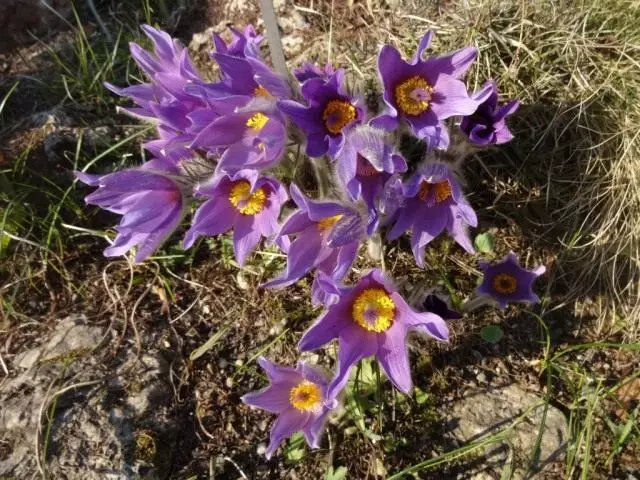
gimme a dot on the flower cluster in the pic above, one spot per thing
(219, 143)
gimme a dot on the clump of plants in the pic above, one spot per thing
(221, 145)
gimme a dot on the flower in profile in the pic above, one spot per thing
(487, 126)
(150, 200)
(424, 92)
(243, 44)
(327, 237)
(372, 319)
(244, 202)
(331, 112)
(506, 281)
(299, 397)
(364, 165)
(309, 70)
(433, 201)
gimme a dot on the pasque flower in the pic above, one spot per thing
(243, 44)
(150, 199)
(308, 70)
(244, 202)
(364, 165)
(432, 202)
(487, 126)
(372, 319)
(329, 114)
(327, 237)
(506, 281)
(424, 92)
(299, 397)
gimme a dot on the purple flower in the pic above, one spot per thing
(364, 165)
(309, 70)
(242, 45)
(487, 124)
(150, 200)
(252, 138)
(299, 397)
(506, 281)
(424, 92)
(169, 68)
(372, 319)
(328, 235)
(244, 202)
(433, 202)
(331, 112)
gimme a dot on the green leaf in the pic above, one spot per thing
(421, 396)
(484, 242)
(209, 344)
(491, 333)
(295, 448)
(339, 473)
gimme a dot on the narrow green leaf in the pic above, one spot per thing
(209, 344)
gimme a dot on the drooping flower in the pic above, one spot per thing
(329, 114)
(243, 44)
(299, 397)
(372, 319)
(244, 202)
(486, 126)
(327, 237)
(437, 304)
(506, 281)
(150, 199)
(424, 92)
(364, 165)
(309, 70)
(433, 201)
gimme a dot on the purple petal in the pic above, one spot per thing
(326, 328)
(245, 237)
(288, 423)
(355, 344)
(394, 358)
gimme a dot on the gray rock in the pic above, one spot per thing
(96, 428)
(485, 412)
(71, 337)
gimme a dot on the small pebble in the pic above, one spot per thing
(481, 378)
(262, 448)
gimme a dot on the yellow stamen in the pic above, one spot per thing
(338, 114)
(326, 223)
(441, 191)
(413, 95)
(374, 310)
(305, 396)
(505, 283)
(260, 91)
(257, 121)
(246, 202)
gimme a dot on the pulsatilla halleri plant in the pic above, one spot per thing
(217, 141)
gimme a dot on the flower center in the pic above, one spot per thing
(441, 191)
(364, 167)
(246, 202)
(305, 396)
(374, 310)
(257, 121)
(504, 283)
(338, 114)
(327, 223)
(260, 91)
(413, 95)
